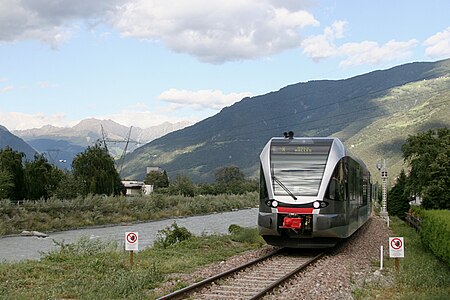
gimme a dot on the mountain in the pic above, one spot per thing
(374, 112)
(7, 139)
(63, 143)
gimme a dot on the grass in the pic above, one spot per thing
(94, 269)
(421, 275)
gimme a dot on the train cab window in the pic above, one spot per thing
(298, 165)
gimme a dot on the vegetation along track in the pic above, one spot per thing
(251, 280)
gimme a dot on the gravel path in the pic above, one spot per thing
(347, 267)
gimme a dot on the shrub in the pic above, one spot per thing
(435, 232)
(171, 236)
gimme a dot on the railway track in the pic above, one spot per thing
(251, 280)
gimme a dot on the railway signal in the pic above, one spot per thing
(384, 177)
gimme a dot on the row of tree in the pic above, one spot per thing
(428, 157)
(228, 180)
(94, 172)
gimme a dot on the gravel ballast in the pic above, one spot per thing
(347, 267)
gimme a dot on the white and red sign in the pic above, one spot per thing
(131, 241)
(396, 247)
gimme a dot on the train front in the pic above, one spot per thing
(294, 176)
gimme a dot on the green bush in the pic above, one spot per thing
(171, 235)
(435, 232)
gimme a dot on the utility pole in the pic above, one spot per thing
(384, 177)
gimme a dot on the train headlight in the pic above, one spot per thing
(316, 204)
(274, 203)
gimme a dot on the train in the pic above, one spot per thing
(313, 192)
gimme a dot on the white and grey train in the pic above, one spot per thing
(313, 192)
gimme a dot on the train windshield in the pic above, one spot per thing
(299, 165)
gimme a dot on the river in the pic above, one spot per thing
(17, 248)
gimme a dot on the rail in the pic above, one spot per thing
(246, 281)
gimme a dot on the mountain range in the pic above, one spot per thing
(61, 144)
(372, 114)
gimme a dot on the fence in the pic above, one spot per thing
(412, 220)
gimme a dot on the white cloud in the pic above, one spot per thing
(215, 31)
(202, 99)
(47, 85)
(212, 31)
(49, 21)
(6, 89)
(371, 53)
(140, 115)
(20, 121)
(183, 101)
(135, 115)
(438, 45)
(322, 46)
(144, 119)
(366, 52)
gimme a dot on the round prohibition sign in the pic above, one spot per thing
(132, 238)
(396, 244)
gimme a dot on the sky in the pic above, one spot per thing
(145, 62)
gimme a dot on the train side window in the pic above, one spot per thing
(263, 193)
(335, 190)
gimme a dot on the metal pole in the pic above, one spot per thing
(381, 257)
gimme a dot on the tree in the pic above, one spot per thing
(398, 199)
(436, 195)
(157, 179)
(182, 185)
(232, 180)
(6, 184)
(428, 154)
(41, 178)
(95, 171)
(12, 167)
(69, 187)
(226, 175)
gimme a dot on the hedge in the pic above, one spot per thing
(435, 232)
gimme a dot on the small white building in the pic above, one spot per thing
(154, 168)
(136, 188)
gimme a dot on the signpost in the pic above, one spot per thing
(396, 249)
(131, 244)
